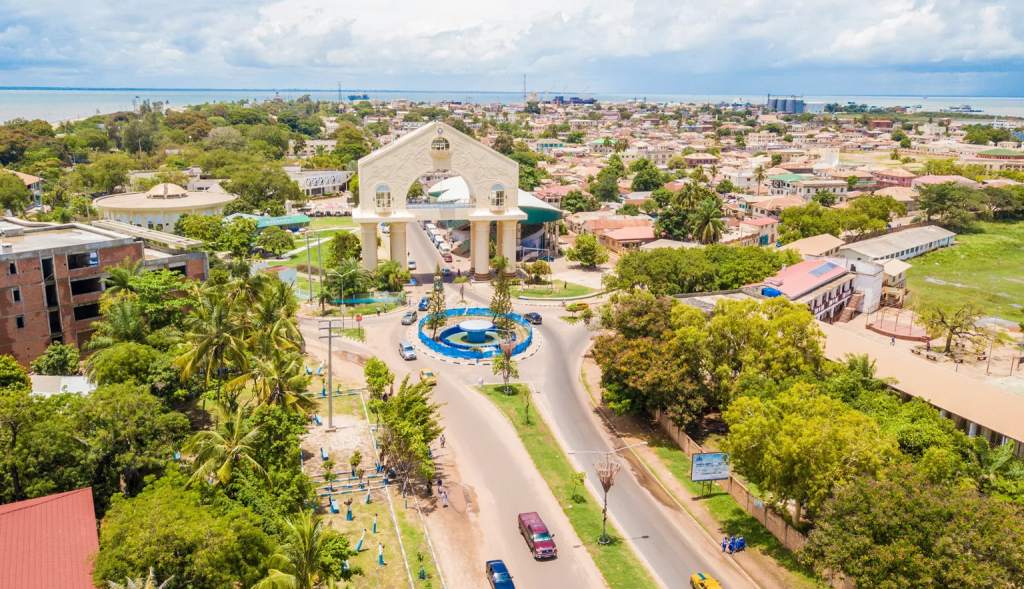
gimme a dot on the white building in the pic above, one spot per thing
(900, 245)
(318, 182)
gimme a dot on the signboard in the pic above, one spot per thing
(710, 467)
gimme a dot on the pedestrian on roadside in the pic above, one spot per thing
(444, 499)
(892, 342)
(438, 482)
(741, 543)
(928, 346)
(732, 545)
(725, 544)
(442, 440)
(378, 310)
(380, 554)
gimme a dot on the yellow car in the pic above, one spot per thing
(702, 581)
(428, 376)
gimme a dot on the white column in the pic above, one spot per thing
(480, 249)
(368, 238)
(399, 253)
(507, 244)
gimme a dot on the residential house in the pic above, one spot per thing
(824, 286)
(33, 183)
(899, 245)
(819, 246)
(625, 239)
(907, 196)
(806, 189)
(894, 177)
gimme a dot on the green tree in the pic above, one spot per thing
(503, 144)
(279, 379)
(217, 452)
(507, 368)
(673, 223)
(409, 424)
(206, 228)
(647, 179)
(629, 209)
(587, 251)
(148, 582)
(311, 556)
(706, 221)
(58, 360)
(262, 188)
(378, 377)
(899, 530)
(941, 321)
(807, 221)
(575, 137)
(239, 236)
(760, 175)
(501, 301)
(825, 198)
(606, 189)
(437, 308)
(276, 240)
(213, 341)
(106, 172)
(14, 194)
(801, 444)
(575, 202)
(343, 246)
(173, 531)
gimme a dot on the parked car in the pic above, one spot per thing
(427, 375)
(412, 264)
(702, 581)
(410, 318)
(446, 271)
(533, 318)
(447, 257)
(538, 538)
(406, 351)
(497, 575)
(424, 303)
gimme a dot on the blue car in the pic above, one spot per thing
(497, 575)
(424, 303)
(446, 271)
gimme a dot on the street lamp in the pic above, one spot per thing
(342, 276)
(606, 474)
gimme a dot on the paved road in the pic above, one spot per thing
(673, 545)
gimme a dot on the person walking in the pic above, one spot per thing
(378, 310)
(741, 544)
(928, 346)
(444, 499)
(725, 544)
(732, 545)
(380, 554)
(442, 440)
(892, 342)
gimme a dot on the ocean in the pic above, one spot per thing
(61, 104)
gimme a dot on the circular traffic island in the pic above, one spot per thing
(472, 334)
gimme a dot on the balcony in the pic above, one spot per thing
(440, 205)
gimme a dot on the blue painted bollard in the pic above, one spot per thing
(359, 546)
(367, 496)
(375, 523)
(348, 515)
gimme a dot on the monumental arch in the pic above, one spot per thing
(386, 175)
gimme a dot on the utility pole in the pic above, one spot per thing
(330, 370)
(320, 267)
(308, 271)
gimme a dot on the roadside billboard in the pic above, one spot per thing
(710, 467)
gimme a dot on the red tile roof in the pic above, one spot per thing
(799, 279)
(48, 543)
(761, 221)
(631, 234)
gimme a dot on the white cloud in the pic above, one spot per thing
(600, 42)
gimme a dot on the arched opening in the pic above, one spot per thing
(383, 198)
(498, 196)
(440, 146)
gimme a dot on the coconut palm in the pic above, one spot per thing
(712, 174)
(698, 175)
(214, 340)
(988, 464)
(707, 224)
(687, 198)
(215, 453)
(142, 583)
(297, 564)
(123, 321)
(119, 277)
(759, 177)
(273, 320)
(279, 379)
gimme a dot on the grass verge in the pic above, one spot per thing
(557, 290)
(984, 266)
(734, 520)
(570, 319)
(618, 564)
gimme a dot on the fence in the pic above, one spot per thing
(790, 537)
(477, 353)
(364, 298)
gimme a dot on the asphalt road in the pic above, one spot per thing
(490, 456)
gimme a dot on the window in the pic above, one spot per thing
(84, 260)
(19, 321)
(383, 198)
(16, 294)
(87, 312)
(47, 265)
(13, 267)
(497, 196)
(86, 286)
(440, 145)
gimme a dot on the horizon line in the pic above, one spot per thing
(512, 92)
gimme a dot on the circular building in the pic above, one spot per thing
(160, 206)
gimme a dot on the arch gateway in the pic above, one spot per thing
(386, 175)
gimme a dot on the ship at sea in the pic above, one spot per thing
(363, 96)
(962, 109)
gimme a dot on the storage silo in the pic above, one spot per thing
(773, 103)
(798, 106)
(784, 105)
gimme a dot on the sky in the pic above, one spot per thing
(814, 47)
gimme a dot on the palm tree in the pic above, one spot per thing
(687, 198)
(218, 451)
(707, 224)
(273, 322)
(759, 177)
(297, 564)
(142, 583)
(123, 321)
(213, 338)
(698, 175)
(712, 174)
(278, 379)
(120, 277)
(988, 464)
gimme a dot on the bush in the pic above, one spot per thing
(59, 360)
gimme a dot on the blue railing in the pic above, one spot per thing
(372, 297)
(479, 352)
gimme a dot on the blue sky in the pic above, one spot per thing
(953, 47)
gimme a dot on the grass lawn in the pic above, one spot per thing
(354, 333)
(545, 291)
(733, 518)
(616, 561)
(986, 267)
(571, 319)
(331, 222)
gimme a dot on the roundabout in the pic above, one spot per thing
(470, 334)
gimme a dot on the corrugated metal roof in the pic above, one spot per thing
(48, 543)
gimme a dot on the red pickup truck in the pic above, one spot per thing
(538, 538)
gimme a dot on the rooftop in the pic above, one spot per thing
(631, 233)
(788, 178)
(48, 542)
(800, 279)
(817, 245)
(164, 197)
(50, 237)
(879, 247)
(761, 222)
